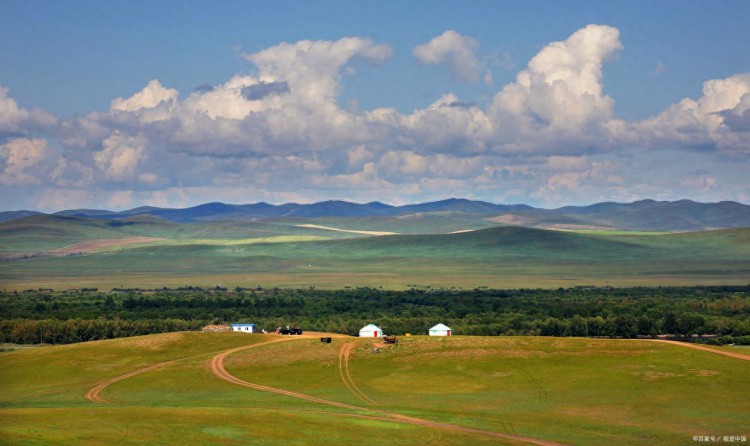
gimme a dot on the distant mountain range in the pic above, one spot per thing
(683, 215)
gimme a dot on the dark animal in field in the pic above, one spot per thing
(325, 340)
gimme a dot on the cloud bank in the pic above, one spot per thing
(280, 134)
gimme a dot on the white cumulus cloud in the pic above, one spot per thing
(279, 131)
(312, 69)
(18, 158)
(18, 120)
(561, 90)
(718, 119)
(151, 96)
(454, 50)
(120, 156)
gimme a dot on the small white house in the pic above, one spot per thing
(243, 328)
(440, 330)
(371, 331)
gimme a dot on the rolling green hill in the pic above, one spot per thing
(682, 215)
(226, 388)
(282, 252)
(46, 232)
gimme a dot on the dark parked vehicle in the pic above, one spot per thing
(290, 331)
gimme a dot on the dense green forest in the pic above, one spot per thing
(47, 316)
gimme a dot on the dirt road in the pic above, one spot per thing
(217, 368)
(94, 395)
(703, 348)
(346, 377)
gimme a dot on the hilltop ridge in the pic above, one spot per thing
(681, 215)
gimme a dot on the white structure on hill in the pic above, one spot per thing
(244, 328)
(371, 331)
(440, 330)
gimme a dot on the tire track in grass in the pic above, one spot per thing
(94, 394)
(216, 365)
(700, 347)
(346, 376)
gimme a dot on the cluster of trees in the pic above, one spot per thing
(80, 315)
(56, 331)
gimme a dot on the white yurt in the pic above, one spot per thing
(371, 331)
(440, 330)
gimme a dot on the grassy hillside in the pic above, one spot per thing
(572, 391)
(663, 215)
(499, 257)
(42, 232)
(415, 223)
(682, 215)
(46, 232)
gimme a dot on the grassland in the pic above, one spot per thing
(279, 252)
(571, 391)
(396, 263)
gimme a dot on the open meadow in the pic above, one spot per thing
(539, 211)
(226, 388)
(73, 252)
(69, 279)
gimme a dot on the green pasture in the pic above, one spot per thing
(217, 242)
(246, 424)
(431, 223)
(204, 254)
(575, 391)
(45, 232)
(152, 269)
(569, 390)
(611, 232)
(60, 375)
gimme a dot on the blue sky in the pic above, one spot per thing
(121, 104)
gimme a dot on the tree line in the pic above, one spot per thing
(49, 316)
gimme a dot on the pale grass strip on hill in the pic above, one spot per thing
(217, 367)
(90, 246)
(352, 231)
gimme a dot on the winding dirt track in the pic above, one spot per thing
(93, 395)
(705, 349)
(217, 368)
(216, 365)
(346, 377)
(434, 437)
